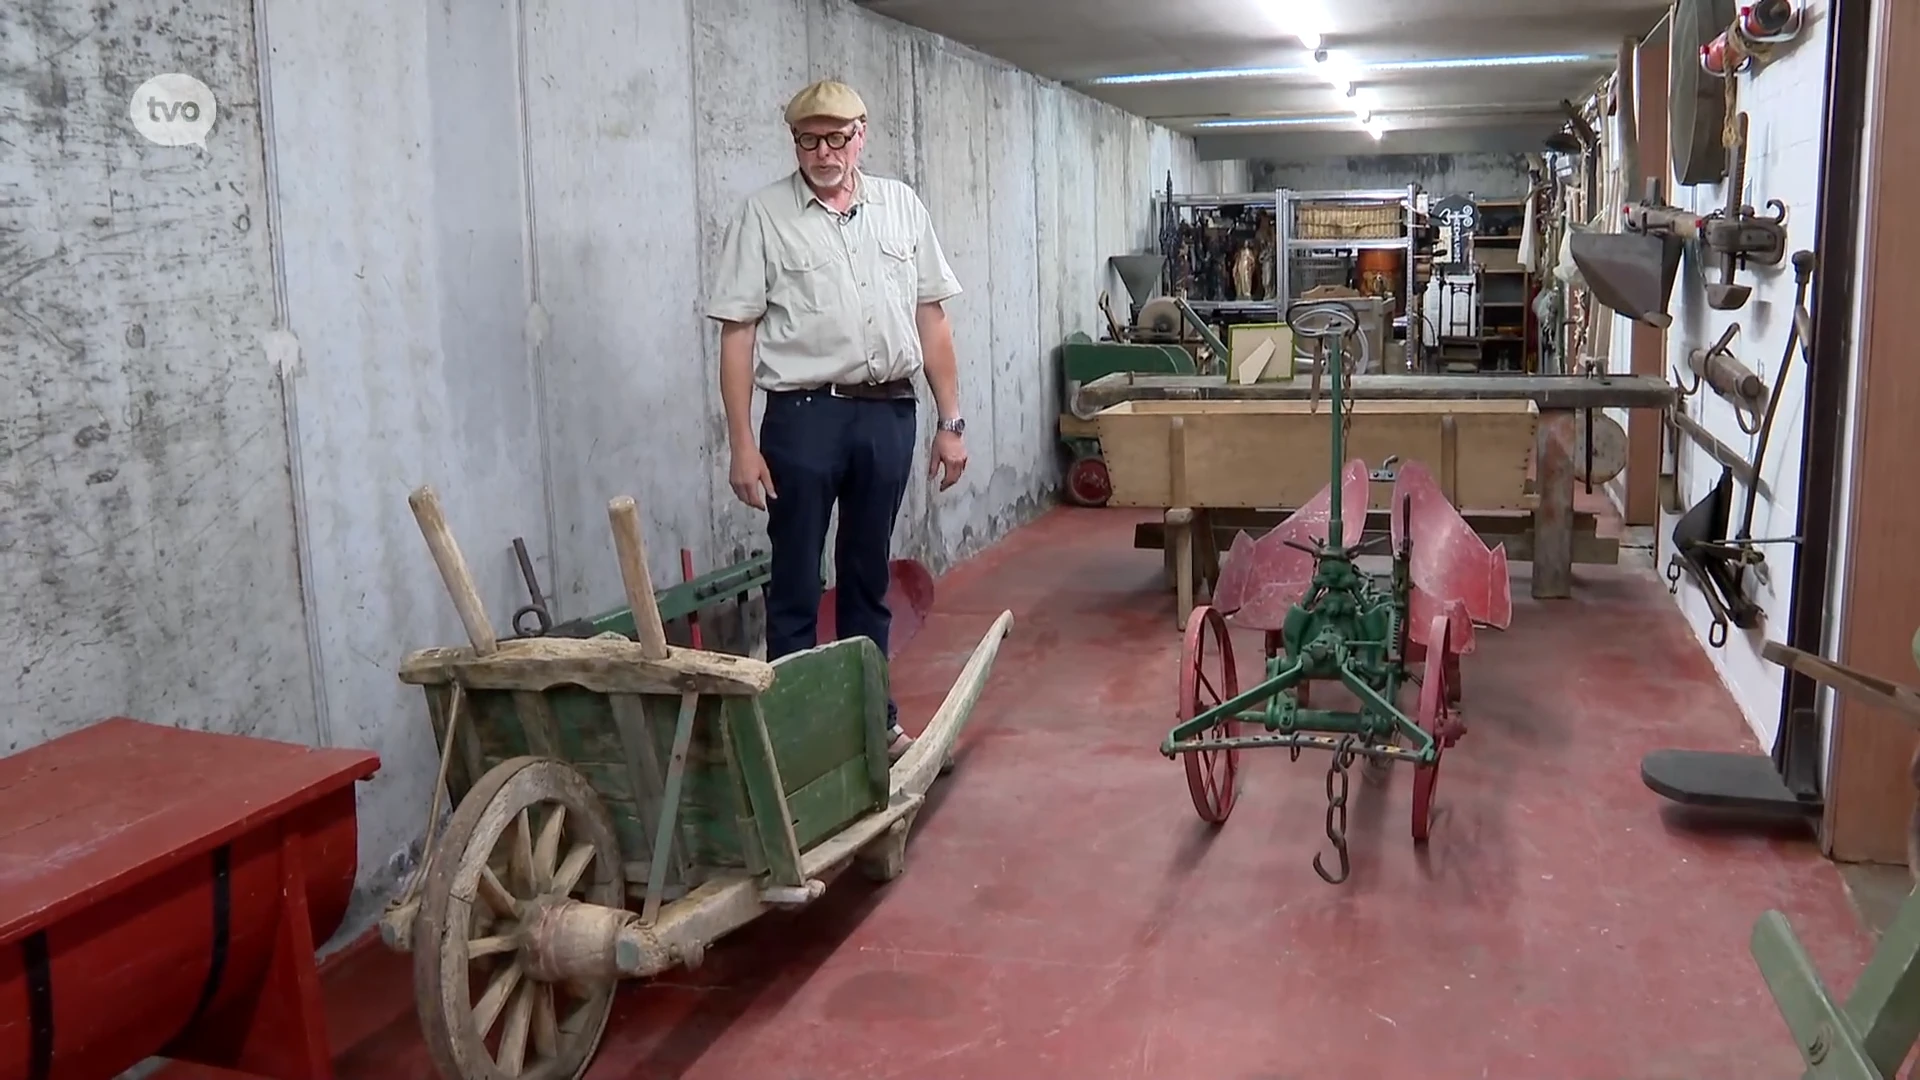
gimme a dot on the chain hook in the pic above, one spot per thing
(1337, 812)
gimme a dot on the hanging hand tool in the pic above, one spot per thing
(538, 608)
(1719, 566)
(1720, 369)
(1736, 235)
(1632, 271)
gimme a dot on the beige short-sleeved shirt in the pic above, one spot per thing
(834, 295)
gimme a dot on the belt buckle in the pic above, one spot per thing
(860, 391)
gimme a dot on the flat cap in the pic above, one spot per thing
(829, 98)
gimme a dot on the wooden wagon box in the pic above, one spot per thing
(1268, 453)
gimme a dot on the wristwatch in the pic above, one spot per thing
(957, 425)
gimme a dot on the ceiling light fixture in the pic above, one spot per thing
(1387, 66)
(1304, 19)
(1337, 71)
(1492, 62)
(1376, 127)
(1197, 76)
(1276, 121)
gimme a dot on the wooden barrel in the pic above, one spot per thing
(1383, 272)
(162, 923)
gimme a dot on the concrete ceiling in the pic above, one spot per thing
(1421, 108)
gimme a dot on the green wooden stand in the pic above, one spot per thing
(1869, 1036)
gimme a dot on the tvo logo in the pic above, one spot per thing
(173, 110)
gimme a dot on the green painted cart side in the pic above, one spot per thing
(1083, 360)
(621, 804)
(816, 736)
(679, 601)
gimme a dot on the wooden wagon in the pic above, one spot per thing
(621, 804)
(1193, 457)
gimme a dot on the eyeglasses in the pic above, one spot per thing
(836, 140)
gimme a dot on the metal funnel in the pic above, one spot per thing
(1632, 273)
(1140, 274)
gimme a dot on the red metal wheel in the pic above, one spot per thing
(1434, 717)
(1213, 776)
(1088, 483)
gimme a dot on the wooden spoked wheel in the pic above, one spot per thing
(1435, 718)
(531, 834)
(1207, 679)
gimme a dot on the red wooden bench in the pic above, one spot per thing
(162, 892)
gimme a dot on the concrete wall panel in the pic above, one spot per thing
(147, 547)
(749, 56)
(1023, 418)
(611, 109)
(1484, 175)
(954, 163)
(402, 225)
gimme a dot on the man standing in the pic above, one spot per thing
(828, 293)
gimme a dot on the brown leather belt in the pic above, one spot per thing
(892, 390)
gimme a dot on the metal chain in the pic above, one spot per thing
(1337, 811)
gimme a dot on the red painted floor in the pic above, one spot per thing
(1065, 913)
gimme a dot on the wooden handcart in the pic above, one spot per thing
(621, 804)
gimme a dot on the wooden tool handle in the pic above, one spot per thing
(453, 569)
(1849, 681)
(632, 548)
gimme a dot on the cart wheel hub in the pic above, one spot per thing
(565, 940)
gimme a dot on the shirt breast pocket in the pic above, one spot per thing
(808, 280)
(896, 262)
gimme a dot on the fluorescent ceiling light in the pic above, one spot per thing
(1276, 121)
(1492, 61)
(1361, 69)
(1198, 76)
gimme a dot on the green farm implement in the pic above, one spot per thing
(620, 804)
(1327, 621)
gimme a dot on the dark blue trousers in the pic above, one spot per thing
(820, 450)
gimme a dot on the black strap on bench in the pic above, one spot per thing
(33, 953)
(222, 932)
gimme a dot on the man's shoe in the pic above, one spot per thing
(902, 742)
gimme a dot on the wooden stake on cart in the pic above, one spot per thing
(631, 547)
(624, 513)
(453, 569)
(396, 923)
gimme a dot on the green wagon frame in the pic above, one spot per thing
(620, 804)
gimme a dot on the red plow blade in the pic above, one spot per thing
(909, 598)
(1261, 579)
(1453, 571)
(1450, 563)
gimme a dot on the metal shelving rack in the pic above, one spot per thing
(1267, 200)
(1282, 201)
(1412, 203)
